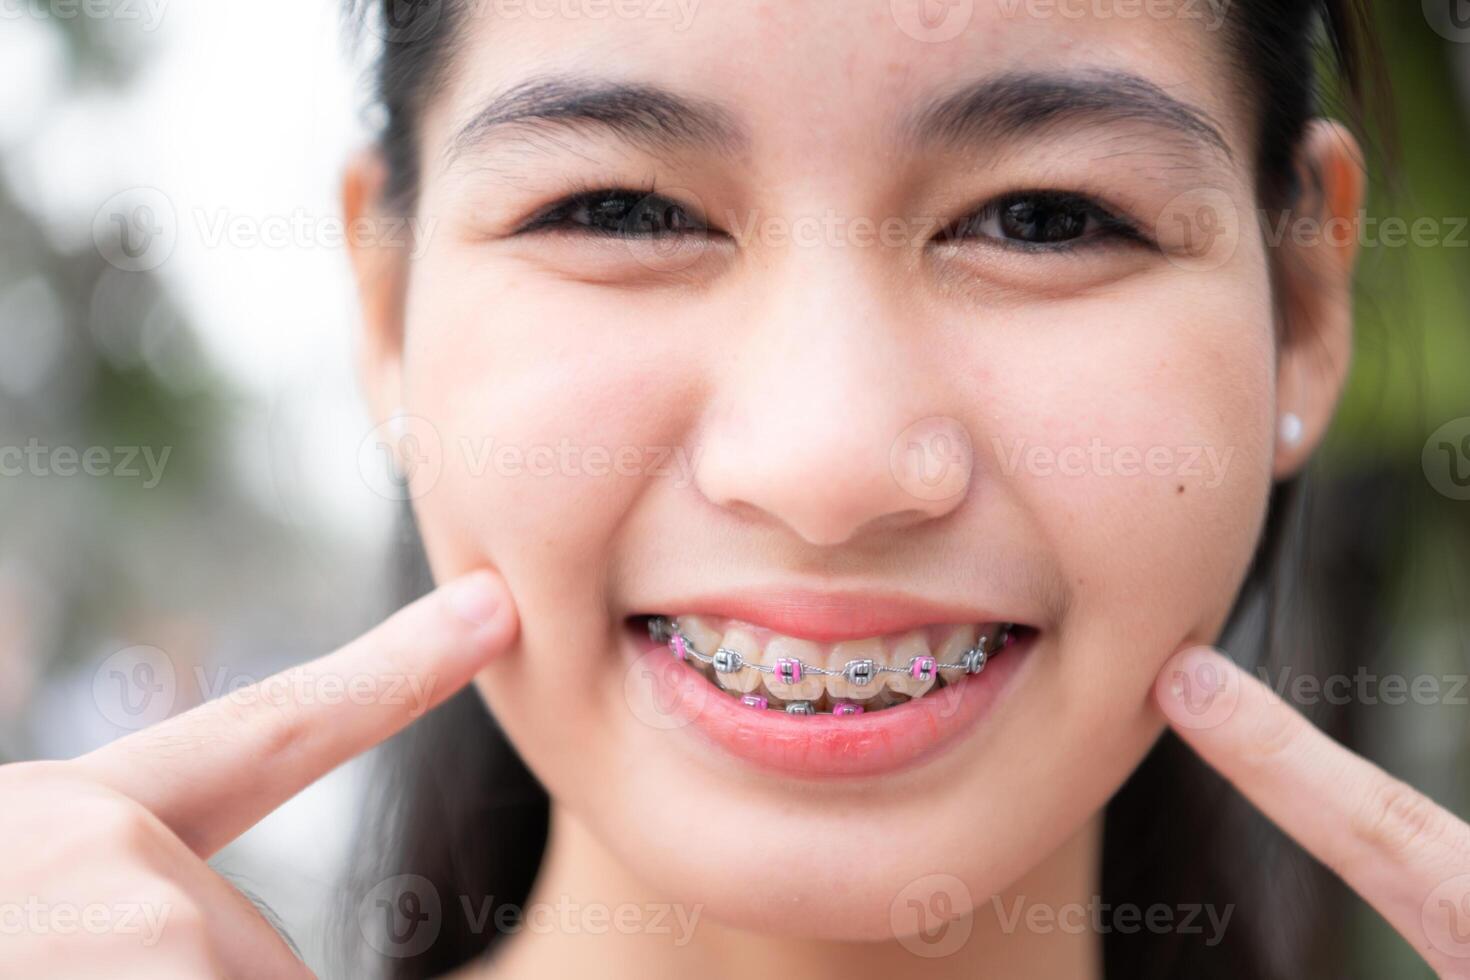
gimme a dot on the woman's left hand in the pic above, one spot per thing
(1404, 854)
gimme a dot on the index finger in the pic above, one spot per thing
(216, 770)
(1404, 854)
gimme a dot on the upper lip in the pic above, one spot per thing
(827, 617)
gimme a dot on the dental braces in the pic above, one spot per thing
(790, 670)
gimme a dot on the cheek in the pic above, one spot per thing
(539, 414)
(1147, 474)
(542, 439)
(550, 430)
(537, 429)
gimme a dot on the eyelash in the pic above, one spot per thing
(1099, 225)
(644, 213)
(641, 204)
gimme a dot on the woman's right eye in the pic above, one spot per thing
(617, 213)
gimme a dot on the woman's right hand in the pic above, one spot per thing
(103, 867)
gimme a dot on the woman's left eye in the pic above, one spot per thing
(618, 213)
(1044, 221)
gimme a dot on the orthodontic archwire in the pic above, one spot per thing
(790, 670)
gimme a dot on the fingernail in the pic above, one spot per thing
(474, 598)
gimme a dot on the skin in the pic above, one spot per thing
(730, 351)
(737, 353)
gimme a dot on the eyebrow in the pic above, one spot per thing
(991, 109)
(644, 115)
(1013, 104)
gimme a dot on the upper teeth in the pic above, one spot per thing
(751, 661)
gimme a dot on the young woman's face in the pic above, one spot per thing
(933, 331)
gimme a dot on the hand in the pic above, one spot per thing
(1405, 855)
(104, 856)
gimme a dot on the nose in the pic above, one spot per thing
(830, 415)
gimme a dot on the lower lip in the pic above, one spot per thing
(812, 746)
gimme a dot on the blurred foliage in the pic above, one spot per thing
(1409, 373)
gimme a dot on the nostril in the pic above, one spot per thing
(826, 518)
(831, 473)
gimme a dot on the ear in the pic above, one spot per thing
(1319, 252)
(380, 267)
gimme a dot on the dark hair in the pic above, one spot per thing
(459, 808)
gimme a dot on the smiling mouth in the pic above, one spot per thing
(768, 671)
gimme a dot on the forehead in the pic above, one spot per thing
(804, 79)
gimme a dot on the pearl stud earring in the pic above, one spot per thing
(1291, 428)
